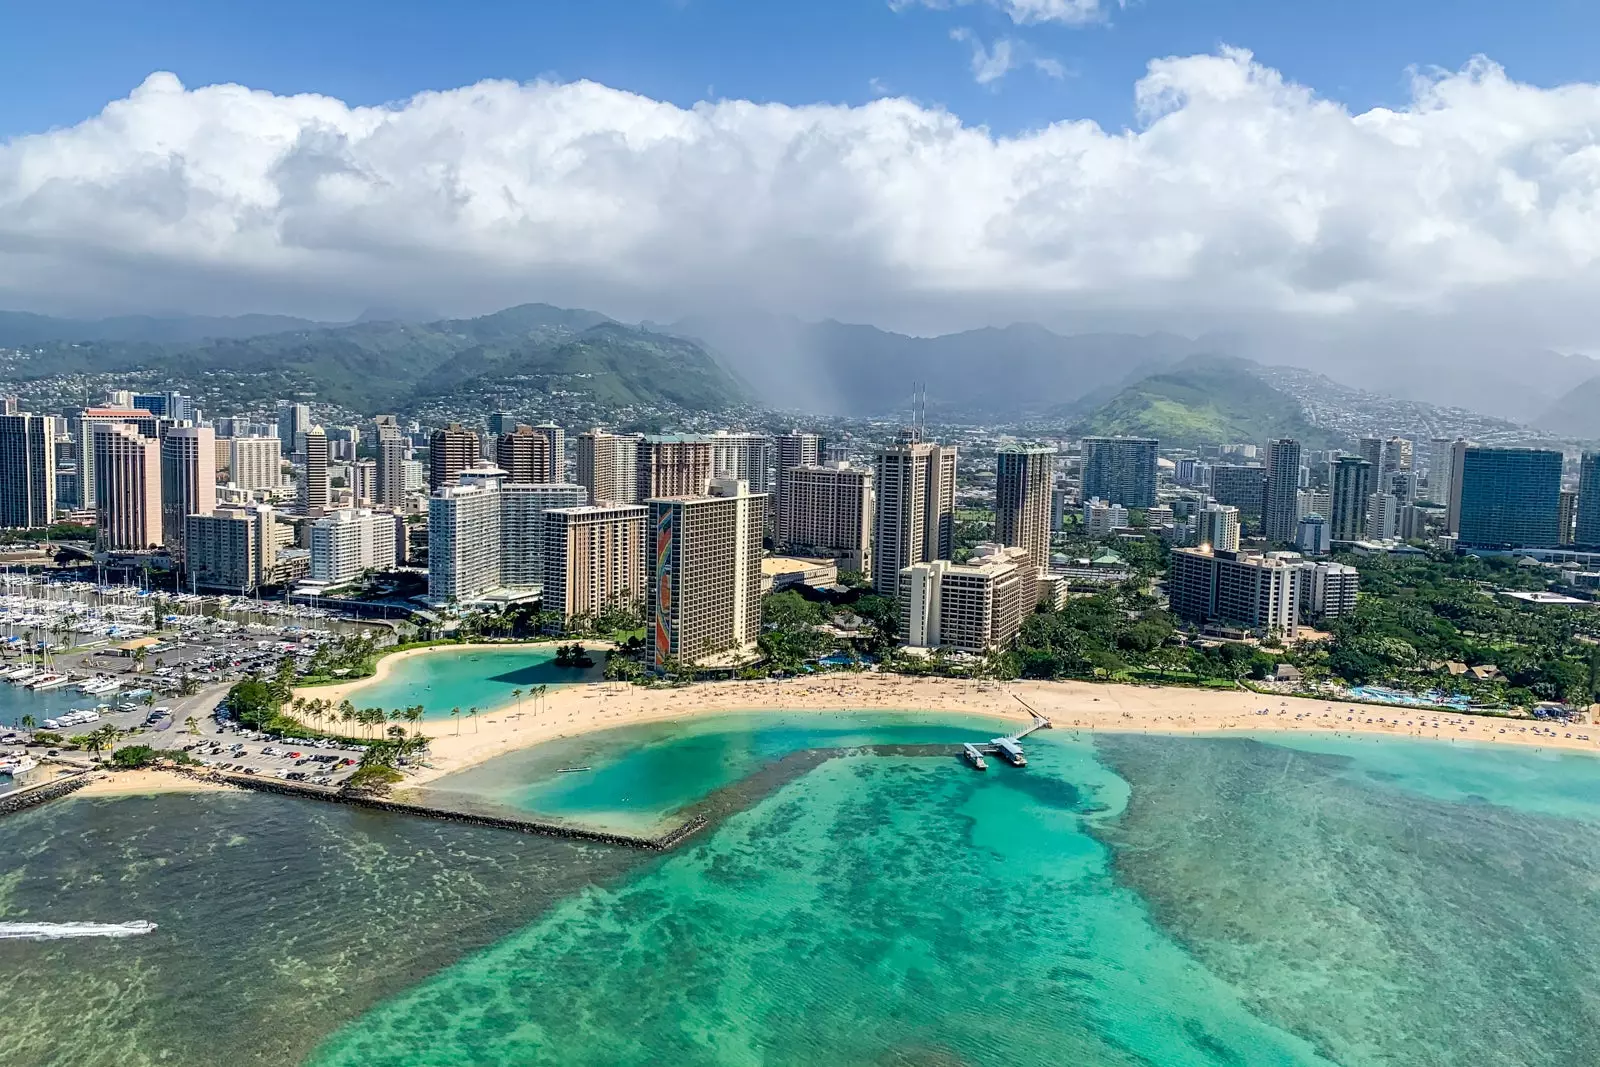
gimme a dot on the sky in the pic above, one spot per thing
(1408, 171)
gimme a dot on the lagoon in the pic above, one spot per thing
(484, 677)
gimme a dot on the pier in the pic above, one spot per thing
(1008, 748)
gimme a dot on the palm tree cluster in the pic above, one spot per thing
(318, 711)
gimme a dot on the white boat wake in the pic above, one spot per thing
(56, 931)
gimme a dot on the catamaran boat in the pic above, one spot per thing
(97, 686)
(21, 674)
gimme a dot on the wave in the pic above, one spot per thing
(56, 931)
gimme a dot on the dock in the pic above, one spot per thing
(1008, 748)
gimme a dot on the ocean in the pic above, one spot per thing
(1125, 899)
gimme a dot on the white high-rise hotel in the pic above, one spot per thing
(349, 541)
(487, 534)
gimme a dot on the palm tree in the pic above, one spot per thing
(414, 716)
(29, 722)
(472, 713)
(455, 713)
(103, 739)
(544, 691)
(516, 695)
(192, 724)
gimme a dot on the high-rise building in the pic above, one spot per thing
(83, 425)
(1280, 513)
(463, 541)
(1352, 493)
(127, 487)
(594, 559)
(1120, 470)
(524, 455)
(1383, 516)
(9, 404)
(27, 471)
(451, 451)
(501, 422)
(1452, 502)
(1217, 526)
(555, 439)
(1328, 590)
(188, 481)
(1587, 525)
(745, 456)
(1439, 470)
(1255, 592)
(1242, 487)
(914, 517)
(608, 466)
(390, 491)
(793, 449)
(223, 550)
(1511, 498)
(970, 607)
(364, 481)
(674, 466)
(522, 510)
(1396, 455)
(294, 420)
(314, 486)
(1312, 537)
(704, 593)
(350, 541)
(830, 514)
(1023, 477)
(1371, 450)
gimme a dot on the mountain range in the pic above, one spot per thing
(1165, 385)
(389, 365)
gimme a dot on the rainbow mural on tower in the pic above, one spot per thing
(663, 616)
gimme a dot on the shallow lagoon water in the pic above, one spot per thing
(478, 677)
(1124, 900)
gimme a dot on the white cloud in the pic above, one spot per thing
(990, 64)
(1023, 12)
(1240, 194)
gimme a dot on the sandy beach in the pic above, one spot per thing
(148, 782)
(578, 709)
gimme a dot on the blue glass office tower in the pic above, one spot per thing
(1510, 498)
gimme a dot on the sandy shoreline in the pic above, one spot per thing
(149, 782)
(580, 709)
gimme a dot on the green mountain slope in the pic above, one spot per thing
(1204, 400)
(373, 366)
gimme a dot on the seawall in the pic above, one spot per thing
(666, 841)
(33, 796)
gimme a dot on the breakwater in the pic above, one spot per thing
(669, 840)
(33, 796)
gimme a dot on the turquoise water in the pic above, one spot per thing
(878, 910)
(1124, 900)
(463, 678)
(634, 779)
(1550, 781)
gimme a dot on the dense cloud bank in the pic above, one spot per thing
(1239, 198)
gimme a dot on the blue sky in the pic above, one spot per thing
(64, 61)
